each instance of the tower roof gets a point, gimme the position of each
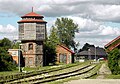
(31, 20)
(32, 17)
(32, 14)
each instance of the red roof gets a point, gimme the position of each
(32, 14)
(31, 20)
(67, 49)
(112, 41)
(114, 46)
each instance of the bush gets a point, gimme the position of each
(113, 59)
(6, 61)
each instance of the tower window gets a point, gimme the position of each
(21, 28)
(30, 46)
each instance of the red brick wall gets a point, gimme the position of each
(61, 50)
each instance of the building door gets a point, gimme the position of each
(62, 58)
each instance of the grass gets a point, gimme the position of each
(76, 77)
(34, 70)
(11, 74)
(95, 70)
(4, 73)
(112, 76)
(71, 68)
(64, 80)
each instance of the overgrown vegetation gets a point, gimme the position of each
(6, 61)
(49, 53)
(113, 61)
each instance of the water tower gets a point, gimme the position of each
(32, 33)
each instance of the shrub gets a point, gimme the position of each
(6, 61)
(113, 58)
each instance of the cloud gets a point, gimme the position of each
(91, 16)
(86, 24)
(94, 32)
(105, 10)
(107, 30)
(8, 31)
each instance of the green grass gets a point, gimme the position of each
(112, 76)
(76, 77)
(71, 68)
(36, 68)
(6, 73)
(2, 73)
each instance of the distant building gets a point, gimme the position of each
(32, 33)
(92, 53)
(64, 55)
(14, 54)
(115, 43)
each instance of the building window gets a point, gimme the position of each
(62, 57)
(30, 46)
(30, 61)
(21, 28)
(40, 36)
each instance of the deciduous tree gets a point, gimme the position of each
(66, 30)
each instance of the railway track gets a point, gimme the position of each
(64, 75)
(33, 73)
(52, 76)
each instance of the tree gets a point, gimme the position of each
(53, 38)
(113, 58)
(15, 45)
(63, 32)
(6, 43)
(66, 30)
(6, 61)
(50, 54)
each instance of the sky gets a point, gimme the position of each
(98, 20)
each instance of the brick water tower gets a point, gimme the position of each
(32, 33)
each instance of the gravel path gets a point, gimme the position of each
(103, 71)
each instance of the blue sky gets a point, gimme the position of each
(98, 20)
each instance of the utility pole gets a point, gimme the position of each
(95, 54)
(19, 57)
(89, 54)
